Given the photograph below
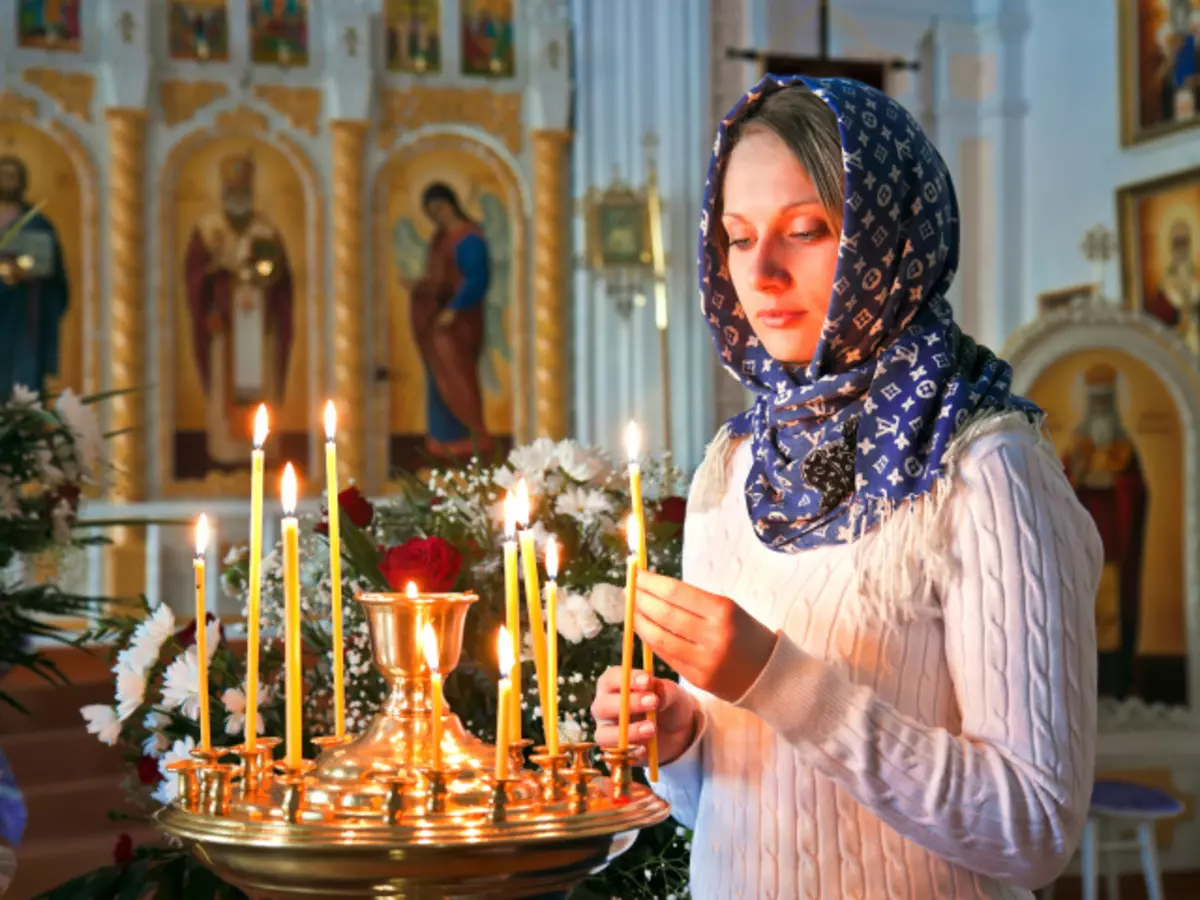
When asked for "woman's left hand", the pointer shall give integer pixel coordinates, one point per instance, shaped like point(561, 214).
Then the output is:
point(708, 639)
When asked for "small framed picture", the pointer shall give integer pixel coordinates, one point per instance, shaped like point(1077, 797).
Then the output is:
point(1061, 298)
point(618, 229)
point(1160, 67)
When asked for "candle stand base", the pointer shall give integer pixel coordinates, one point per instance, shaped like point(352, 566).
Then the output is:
point(620, 770)
point(364, 821)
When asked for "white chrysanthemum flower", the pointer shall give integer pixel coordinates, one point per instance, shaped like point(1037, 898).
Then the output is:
point(608, 600)
point(168, 787)
point(569, 625)
point(588, 622)
point(165, 791)
point(235, 702)
point(84, 425)
point(157, 742)
point(102, 722)
point(579, 462)
point(570, 731)
point(532, 461)
point(181, 684)
point(586, 506)
point(23, 396)
point(147, 639)
point(504, 478)
point(131, 688)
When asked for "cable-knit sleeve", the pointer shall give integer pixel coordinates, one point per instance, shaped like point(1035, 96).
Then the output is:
point(1006, 796)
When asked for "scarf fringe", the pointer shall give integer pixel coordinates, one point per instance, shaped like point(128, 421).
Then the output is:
point(909, 552)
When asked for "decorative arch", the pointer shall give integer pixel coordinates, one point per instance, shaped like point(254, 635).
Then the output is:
point(501, 163)
point(1037, 347)
point(24, 110)
point(238, 122)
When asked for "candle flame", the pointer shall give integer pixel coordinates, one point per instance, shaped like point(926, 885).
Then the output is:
point(631, 533)
point(289, 490)
point(330, 421)
point(429, 640)
point(633, 442)
point(552, 558)
point(504, 651)
point(410, 590)
point(510, 516)
point(260, 427)
point(521, 504)
point(201, 534)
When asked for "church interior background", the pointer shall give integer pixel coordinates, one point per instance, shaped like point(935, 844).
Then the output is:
point(264, 201)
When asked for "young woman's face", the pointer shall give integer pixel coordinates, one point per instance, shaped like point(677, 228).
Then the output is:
point(783, 249)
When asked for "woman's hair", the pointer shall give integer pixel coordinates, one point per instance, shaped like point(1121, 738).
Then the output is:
point(803, 121)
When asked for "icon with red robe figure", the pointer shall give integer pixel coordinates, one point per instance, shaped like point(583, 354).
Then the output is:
point(1177, 300)
point(49, 25)
point(239, 290)
point(1103, 467)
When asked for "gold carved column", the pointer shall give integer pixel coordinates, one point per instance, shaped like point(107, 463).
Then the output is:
point(349, 299)
point(551, 226)
point(127, 363)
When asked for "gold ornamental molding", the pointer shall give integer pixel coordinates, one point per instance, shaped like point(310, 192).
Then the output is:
point(491, 111)
point(16, 106)
point(301, 106)
point(242, 120)
point(551, 224)
point(180, 100)
point(72, 92)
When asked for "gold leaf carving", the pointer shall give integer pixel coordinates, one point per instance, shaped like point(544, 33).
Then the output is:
point(243, 119)
point(495, 112)
point(14, 106)
point(72, 91)
point(180, 100)
point(301, 106)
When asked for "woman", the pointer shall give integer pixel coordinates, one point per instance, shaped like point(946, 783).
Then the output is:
point(885, 628)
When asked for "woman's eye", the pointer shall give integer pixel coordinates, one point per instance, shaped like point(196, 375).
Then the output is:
point(810, 234)
point(739, 242)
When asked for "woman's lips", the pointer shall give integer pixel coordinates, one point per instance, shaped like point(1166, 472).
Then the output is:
point(781, 318)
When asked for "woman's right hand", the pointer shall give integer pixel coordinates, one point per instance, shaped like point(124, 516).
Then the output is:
point(676, 708)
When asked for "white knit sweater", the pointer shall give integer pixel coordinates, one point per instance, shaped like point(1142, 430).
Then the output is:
point(940, 756)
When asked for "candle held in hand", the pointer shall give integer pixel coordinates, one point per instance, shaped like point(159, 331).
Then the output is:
point(550, 716)
point(254, 576)
point(202, 633)
point(633, 450)
point(335, 571)
point(429, 639)
point(294, 675)
point(504, 654)
point(533, 592)
point(512, 609)
point(631, 571)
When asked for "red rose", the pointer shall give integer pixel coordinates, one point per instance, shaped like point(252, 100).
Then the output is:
point(147, 770)
point(432, 563)
point(123, 852)
point(357, 507)
point(672, 510)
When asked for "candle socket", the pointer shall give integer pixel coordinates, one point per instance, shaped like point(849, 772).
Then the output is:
point(550, 777)
point(188, 792)
point(435, 790)
point(578, 779)
point(256, 763)
point(620, 770)
point(325, 741)
point(295, 788)
point(216, 788)
point(516, 754)
point(207, 757)
point(580, 753)
point(499, 802)
point(397, 786)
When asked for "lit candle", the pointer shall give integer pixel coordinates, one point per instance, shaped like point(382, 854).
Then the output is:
point(533, 593)
point(631, 571)
point(512, 609)
point(550, 715)
point(504, 652)
point(291, 606)
point(435, 691)
point(202, 633)
point(253, 614)
point(633, 447)
point(335, 569)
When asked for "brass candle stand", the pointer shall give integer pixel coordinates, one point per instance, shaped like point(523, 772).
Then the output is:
point(371, 817)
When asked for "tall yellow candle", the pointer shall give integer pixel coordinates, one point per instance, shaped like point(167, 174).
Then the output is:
point(504, 653)
point(429, 639)
point(533, 591)
point(512, 611)
point(335, 570)
point(550, 715)
point(255, 576)
point(291, 606)
point(633, 448)
point(631, 572)
point(202, 633)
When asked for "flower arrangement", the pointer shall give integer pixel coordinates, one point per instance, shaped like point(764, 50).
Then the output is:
point(445, 533)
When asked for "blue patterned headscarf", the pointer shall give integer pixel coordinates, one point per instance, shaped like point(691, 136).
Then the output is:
point(840, 443)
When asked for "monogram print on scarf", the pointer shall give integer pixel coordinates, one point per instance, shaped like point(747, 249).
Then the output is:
point(867, 422)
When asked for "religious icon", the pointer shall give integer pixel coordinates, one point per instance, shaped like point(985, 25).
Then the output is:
point(487, 38)
point(617, 222)
point(198, 29)
point(414, 35)
point(1160, 67)
point(239, 324)
point(49, 24)
point(1160, 244)
point(1118, 432)
point(1067, 297)
point(279, 32)
point(33, 288)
